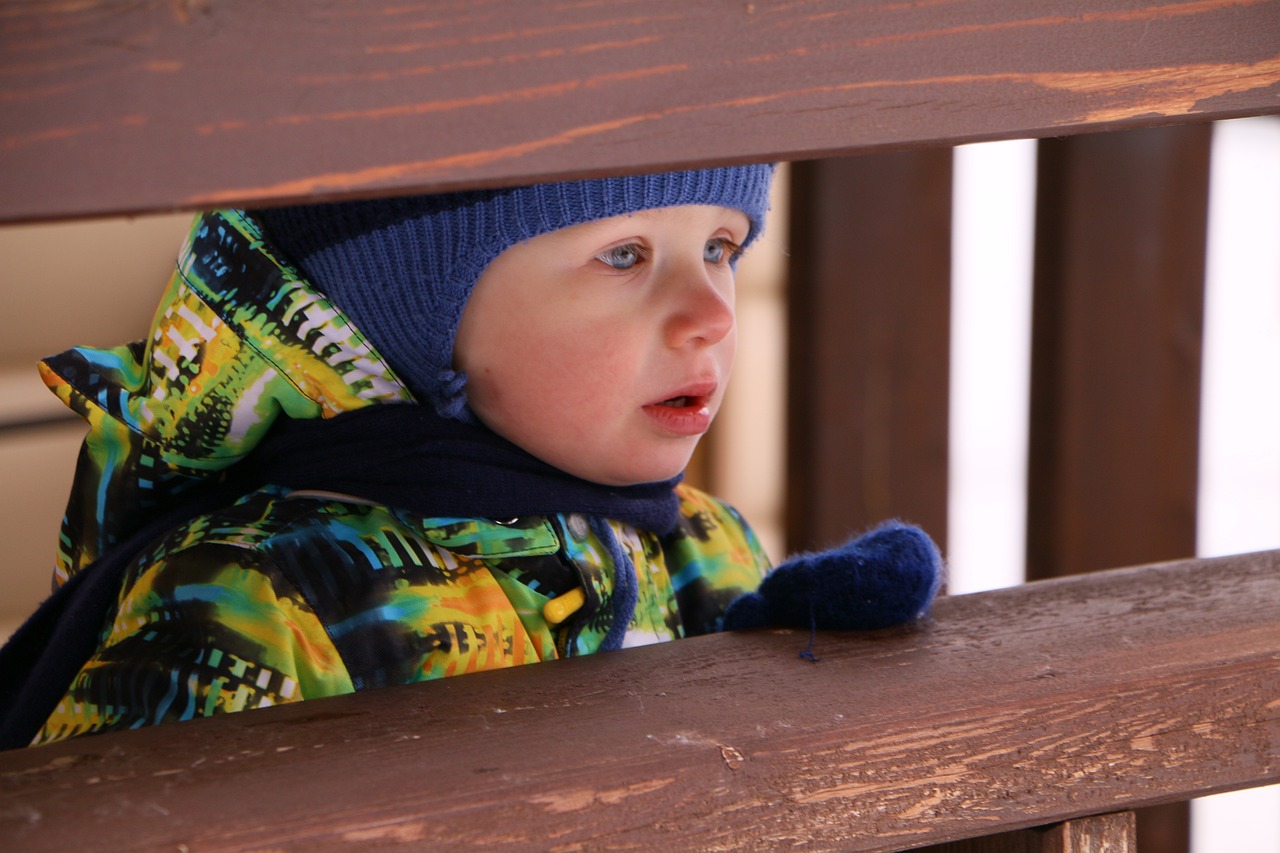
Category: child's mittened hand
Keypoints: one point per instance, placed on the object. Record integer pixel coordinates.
(885, 577)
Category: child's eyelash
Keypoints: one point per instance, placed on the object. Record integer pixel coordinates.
(625, 256)
(727, 251)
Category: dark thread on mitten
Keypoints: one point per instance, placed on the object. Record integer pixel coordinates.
(808, 654)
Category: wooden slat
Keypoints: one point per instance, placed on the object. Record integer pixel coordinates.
(1111, 833)
(1108, 833)
(868, 303)
(1116, 340)
(109, 107)
(1010, 709)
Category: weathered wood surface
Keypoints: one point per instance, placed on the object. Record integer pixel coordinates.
(1111, 833)
(111, 107)
(1007, 710)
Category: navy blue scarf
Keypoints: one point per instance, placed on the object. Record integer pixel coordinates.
(409, 457)
(403, 456)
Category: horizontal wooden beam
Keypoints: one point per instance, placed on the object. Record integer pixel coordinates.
(110, 108)
(1006, 710)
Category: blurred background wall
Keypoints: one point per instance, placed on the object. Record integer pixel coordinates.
(64, 285)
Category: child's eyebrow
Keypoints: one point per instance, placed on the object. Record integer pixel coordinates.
(613, 221)
(594, 228)
(594, 225)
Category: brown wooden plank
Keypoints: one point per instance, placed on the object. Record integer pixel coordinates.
(869, 286)
(1115, 393)
(110, 107)
(1116, 334)
(1007, 710)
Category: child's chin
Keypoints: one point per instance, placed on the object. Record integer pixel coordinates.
(635, 475)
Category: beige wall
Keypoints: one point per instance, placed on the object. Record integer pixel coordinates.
(63, 285)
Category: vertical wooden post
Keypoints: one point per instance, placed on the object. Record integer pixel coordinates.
(869, 333)
(1116, 340)
(1108, 833)
(1117, 318)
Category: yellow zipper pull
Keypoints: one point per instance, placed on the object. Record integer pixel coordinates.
(562, 607)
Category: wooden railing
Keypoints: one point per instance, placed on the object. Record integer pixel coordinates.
(1053, 703)
(1005, 710)
(125, 108)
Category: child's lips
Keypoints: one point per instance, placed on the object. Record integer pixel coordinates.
(680, 402)
(687, 412)
(693, 394)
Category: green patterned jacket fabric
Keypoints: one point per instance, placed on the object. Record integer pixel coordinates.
(285, 596)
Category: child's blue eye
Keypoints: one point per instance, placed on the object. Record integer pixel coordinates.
(623, 257)
(718, 250)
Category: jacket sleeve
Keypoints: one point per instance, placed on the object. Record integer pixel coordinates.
(206, 630)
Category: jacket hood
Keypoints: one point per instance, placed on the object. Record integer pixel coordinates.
(239, 339)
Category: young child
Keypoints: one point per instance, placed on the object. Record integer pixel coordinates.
(373, 443)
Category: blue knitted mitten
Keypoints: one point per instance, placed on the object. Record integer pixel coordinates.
(885, 577)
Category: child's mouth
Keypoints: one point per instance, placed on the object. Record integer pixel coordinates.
(684, 414)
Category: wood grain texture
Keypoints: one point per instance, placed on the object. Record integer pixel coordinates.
(109, 108)
(1006, 710)
(1110, 833)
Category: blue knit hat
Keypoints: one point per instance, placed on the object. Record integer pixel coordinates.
(403, 268)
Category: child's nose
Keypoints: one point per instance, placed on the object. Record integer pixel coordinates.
(703, 313)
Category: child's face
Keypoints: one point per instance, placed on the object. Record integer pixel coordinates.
(604, 348)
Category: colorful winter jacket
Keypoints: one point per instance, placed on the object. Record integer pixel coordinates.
(285, 596)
